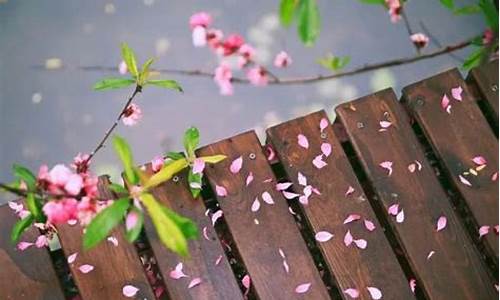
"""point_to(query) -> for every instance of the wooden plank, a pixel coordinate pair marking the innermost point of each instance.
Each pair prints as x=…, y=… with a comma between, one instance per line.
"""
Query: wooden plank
x=114, y=266
x=457, y=138
x=455, y=270
x=218, y=281
x=259, y=244
x=351, y=267
x=485, y=78
x=27, y=274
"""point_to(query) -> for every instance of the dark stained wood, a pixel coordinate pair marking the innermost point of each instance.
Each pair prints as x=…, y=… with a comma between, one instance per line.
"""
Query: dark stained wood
x=259, y=244
x=455, y=271
x=27, y=274
x=351, y=267
x=218, y=281
x=485, y=78
x=114, y=266
x=456, y=138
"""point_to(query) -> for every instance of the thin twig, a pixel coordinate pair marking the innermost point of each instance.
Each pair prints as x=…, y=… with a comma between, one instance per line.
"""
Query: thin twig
x=436, y=42
x=308, y=79
x=137, y=90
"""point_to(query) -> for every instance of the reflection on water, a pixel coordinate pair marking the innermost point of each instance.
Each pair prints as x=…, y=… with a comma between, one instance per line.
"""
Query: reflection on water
x=49, y=116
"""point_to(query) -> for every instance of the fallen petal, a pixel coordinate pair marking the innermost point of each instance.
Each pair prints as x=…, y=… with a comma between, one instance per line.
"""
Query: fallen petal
x=72, y=257
x=255, y=205
x=266, y=197
x=441, y=223
x=323, y=124
x=303, y=142
x=283, y=186
x=323, y=236
x=445, y=102
x=302, y=179
x=113, y=240
x=352, y=217
x=431, y=253
x=413, y=285
x=361, y=243
x=326, y=149
x=400, y=217
x=494, y=176
x=385, y=124
x=246, y=281
x=483, y=230
x=353, y=293
x=349, y=191
x=218, y=260
x=479, y=160
x=194, y=282
x=86, y=268
x=249, y=179
x=24, y=245
x=205, y=233
x=286, y=267
x=393, y=209
x=348, y=238
x=412, y=167
x=236, y=165
x=177, y=272
x=129, y=291
x=387, y=165
x=318, y=162
x=375, y=293
x=304, y=200
x=289, y=195
x=216, y=216
x=369, y=225
x=457, y=93
x=302, y=288
x=220, y=191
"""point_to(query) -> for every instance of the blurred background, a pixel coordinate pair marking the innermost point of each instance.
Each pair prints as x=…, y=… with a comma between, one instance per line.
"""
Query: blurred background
x=48, y=116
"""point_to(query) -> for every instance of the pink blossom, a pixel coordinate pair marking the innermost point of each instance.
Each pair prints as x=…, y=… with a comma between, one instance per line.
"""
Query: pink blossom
x=60, y=211
x=131, y=220
x=258, y=76
x=157, y=163
x=394, y=10
x=200, y=19
x=282, y=60
x=81, y=163
x=198, y=166
x=222, y=77
x=214, y=38
x=420, y=40
x=122, y=68
x=247, y=54
x=59, y=175
x=24, y=245
x=74, y=184
x=488, y=36
x=232, y=44
x=199, y=36
x=132, y=114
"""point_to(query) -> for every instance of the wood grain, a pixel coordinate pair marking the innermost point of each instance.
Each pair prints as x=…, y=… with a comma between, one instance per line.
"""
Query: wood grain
x=455, y=270
x=351, y=267
x=27, y=274
x=259, y=244
x=114, y=266
x=218, y=281
x=456, y=138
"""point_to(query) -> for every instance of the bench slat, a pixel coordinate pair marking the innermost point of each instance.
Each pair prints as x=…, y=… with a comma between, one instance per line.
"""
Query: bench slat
x=455, y=270
x=457, y=138
x=351, y=267
x=218, y=281
x=485, y=78
x=259, y=244
x=27, y=274
x=114, y=266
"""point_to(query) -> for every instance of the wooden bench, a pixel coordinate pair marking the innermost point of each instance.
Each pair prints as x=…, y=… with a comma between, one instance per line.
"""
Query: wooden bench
x=377, y=187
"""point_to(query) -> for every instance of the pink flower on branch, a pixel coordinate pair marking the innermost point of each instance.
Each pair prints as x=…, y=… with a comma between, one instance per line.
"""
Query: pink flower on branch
x=132, y=115
x=420, y=40
x=282, y=60
x=223, y=76
x=258, y=76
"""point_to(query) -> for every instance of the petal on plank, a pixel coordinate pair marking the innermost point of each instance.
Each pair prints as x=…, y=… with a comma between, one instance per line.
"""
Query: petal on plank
x=375, y=293
x=255, y=205
x=236, y=165
x=441, y=223
x=266, y=197
x=348, y=239
x=323, y=236
x=326, y=149
x=369, y=225
x=351, y=218
x=194, y=282
x=86, y=268
x=303, y=288
x=483, y=230
x=352, y=292
x=387, y=165
x=129, y=291
x=303, y=142
x=457, y=93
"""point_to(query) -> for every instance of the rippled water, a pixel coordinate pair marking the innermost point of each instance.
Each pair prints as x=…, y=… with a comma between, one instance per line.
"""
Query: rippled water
x=49, y=116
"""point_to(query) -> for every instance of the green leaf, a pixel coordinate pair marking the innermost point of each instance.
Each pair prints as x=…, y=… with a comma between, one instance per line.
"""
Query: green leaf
x=128, y=56
x=102, y=224
x=165, y=83
x=187, y=227
x=118, y=189
x=447, y=3
x=20, y=227
x=191, y=141
x=474, y=59
x=308, y=22
x=373, y=2
x=467, y=10
x=113, y=83
x=132, y=234
x=125, y=154
x=213, y=159
x=490, y=12
x=175, y=155
x=287, y=8
x=166, y=172
x=25, y=175
x=194, y=181
x=168, y=231
x=143, y=76
x=334, y=63
x=34, y=206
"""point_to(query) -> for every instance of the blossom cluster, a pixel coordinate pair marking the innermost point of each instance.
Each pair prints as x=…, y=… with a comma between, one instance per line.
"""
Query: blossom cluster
x=231, y=46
